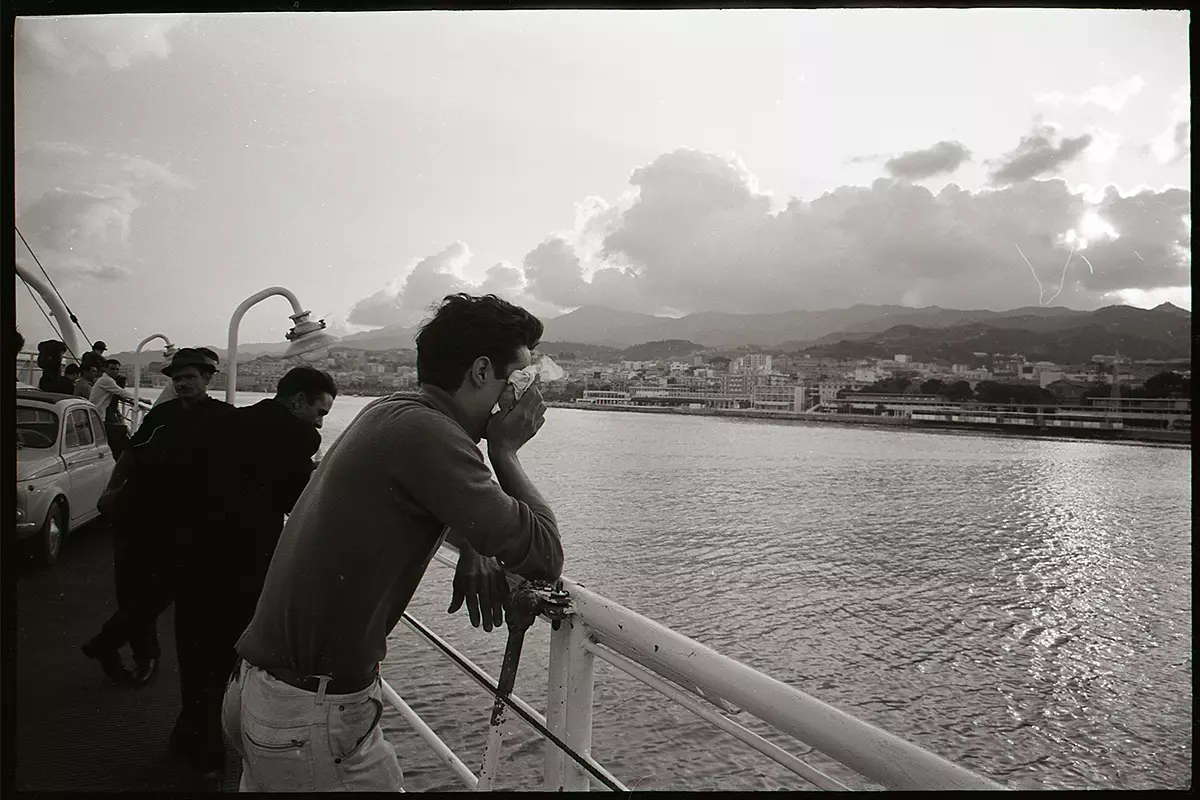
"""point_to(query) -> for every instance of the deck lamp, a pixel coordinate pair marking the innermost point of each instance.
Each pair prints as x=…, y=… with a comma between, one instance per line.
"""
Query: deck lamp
x=308, y=339
x=137, y=371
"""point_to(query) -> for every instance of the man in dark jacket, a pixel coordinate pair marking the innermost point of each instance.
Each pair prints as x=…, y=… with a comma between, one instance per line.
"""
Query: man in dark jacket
x=141, y=500
x=50, y=358
x=255, y=476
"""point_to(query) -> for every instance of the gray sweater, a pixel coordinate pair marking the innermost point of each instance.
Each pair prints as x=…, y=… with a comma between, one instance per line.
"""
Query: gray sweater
x=366, y=527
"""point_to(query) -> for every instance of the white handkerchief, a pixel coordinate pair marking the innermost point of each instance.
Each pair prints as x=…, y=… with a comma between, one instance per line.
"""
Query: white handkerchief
x=544, y=367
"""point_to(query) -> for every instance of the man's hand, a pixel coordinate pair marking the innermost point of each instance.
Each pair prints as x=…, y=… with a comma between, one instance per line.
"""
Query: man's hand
x=107, y=504
x=480, y=581
x=514, y=425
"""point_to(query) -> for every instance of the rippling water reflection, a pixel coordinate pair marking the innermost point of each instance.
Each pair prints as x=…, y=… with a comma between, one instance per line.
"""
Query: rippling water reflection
x=1021, y=607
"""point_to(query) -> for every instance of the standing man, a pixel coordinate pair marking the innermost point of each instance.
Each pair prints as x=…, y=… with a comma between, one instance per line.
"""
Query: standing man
x=160, y=462
x=50, y=355
x=258, y=467
x=106, y=395
x=361, y=537
x=95, y=356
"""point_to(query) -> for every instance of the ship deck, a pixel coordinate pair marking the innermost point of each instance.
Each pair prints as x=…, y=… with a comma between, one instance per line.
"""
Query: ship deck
x=75, y=729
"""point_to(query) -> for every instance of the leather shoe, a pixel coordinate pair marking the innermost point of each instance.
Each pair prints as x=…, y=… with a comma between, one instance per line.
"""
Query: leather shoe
x=110, y=662
x=145, y=671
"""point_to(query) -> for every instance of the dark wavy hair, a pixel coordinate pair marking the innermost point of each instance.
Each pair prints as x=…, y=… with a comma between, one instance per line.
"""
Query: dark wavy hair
x=310, y=381
x=466, y=327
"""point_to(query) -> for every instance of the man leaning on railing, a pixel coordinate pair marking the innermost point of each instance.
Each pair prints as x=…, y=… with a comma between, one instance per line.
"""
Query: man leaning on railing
x=304, y=704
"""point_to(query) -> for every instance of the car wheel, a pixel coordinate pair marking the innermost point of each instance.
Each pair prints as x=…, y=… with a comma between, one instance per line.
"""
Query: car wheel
x=53, y=532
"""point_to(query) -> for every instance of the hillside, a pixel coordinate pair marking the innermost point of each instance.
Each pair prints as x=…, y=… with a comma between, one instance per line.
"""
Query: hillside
x=653, y=351
x=1100, y=334
x=577, y=350
x=1055, y=333
x=798, y=329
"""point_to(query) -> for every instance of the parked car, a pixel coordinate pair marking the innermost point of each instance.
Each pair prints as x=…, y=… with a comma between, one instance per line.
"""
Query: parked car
x=63, y=464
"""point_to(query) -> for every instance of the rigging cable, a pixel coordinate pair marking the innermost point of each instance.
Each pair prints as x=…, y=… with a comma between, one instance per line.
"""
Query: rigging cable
x=495, y=690
x=56, y=291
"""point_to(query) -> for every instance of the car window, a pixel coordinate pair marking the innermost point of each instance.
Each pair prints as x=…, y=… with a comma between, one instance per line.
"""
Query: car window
x=36, y=427
x=98, y=427
x=79, y=429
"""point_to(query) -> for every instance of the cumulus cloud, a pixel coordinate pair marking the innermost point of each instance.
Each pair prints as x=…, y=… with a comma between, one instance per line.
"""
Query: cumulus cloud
x=405, y=301
x=699, y=235
x=83, y=222
x=72, y=44
x=1175, y=142
x=721, y=249
x=1112, y=97
x=1042, y=151
x=943, y=157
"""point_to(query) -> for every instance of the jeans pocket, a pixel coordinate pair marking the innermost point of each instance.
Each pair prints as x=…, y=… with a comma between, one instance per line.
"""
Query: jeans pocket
x=364, y=760
x=351, y=726
x=278, y=759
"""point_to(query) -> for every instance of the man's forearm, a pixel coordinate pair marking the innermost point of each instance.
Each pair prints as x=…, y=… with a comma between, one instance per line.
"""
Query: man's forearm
x=543, y=558
x=514, y=481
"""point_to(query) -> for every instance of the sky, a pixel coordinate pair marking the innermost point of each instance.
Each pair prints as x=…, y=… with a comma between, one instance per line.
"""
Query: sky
x=664, y=162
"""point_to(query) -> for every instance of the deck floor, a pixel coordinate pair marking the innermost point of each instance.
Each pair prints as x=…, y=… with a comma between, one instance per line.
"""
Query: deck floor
x=76, y=730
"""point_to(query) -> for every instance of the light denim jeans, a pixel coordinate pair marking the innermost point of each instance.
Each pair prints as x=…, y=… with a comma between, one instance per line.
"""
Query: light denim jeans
x=291, y=740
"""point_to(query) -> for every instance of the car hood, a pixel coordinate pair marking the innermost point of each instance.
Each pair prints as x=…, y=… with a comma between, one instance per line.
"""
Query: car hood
x=33, y=462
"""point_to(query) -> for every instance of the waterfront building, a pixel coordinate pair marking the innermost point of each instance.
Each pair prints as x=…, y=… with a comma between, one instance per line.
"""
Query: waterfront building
x=827, y=390
x=605, y=398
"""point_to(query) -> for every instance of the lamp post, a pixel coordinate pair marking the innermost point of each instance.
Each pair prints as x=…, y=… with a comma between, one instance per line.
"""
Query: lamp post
x=137, y=371
x=306, y=337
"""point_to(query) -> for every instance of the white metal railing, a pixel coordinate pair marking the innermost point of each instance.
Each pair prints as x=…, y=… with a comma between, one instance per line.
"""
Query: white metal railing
x=675, y=665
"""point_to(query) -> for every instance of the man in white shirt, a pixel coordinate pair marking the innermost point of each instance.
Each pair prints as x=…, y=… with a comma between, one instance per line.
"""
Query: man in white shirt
x=105, y=396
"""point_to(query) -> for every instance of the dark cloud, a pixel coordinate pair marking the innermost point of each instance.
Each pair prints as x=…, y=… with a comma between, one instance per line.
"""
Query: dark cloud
x=1043, y=151
x=1154, y=244
x=700, y=236
x=892, y=242
x=942, y=157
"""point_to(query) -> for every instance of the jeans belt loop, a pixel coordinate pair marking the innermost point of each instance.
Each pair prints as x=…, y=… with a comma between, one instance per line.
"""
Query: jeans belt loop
x=322, y=683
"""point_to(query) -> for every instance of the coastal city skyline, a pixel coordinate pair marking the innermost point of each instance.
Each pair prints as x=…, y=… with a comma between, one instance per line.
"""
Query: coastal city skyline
x=744, y=173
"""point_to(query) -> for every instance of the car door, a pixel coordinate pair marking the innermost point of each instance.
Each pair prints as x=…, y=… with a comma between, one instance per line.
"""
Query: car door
x=105, y=464
x=99, y=434
x=83, y=464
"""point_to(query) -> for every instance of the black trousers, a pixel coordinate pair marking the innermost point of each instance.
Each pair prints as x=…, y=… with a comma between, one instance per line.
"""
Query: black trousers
x=209, y=619
x=143, y=569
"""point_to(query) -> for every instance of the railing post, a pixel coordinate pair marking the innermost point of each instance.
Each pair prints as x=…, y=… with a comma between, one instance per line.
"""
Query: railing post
x=580, y=665
x=556, y=703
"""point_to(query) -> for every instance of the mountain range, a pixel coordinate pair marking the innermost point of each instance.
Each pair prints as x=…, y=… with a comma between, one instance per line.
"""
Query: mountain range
x=1052, y=333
